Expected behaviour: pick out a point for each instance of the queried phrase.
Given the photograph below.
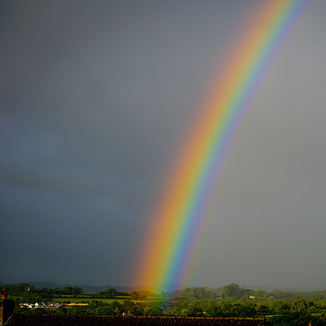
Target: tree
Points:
(116, 307)
(202, 293)
(77, 290)
(154, 312)
(195, 311)
(103, 311)
(263, 310)
(232, 290)
(134, 295)
(61, 311)
(128, 305)
(213, 308)
(69, 290)
(137, 311)
(279, 306)
(111, 293)
(301, 306)
(259, 294)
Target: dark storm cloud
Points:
(95, 99)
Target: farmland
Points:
(279, 307)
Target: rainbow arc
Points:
(174, 235)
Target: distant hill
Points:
(92, 289)
(88, 289)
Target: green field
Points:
(88, 299)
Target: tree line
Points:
(279, 307)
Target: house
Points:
(6, 307)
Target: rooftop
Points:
(83, 320)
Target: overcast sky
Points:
(95, 98)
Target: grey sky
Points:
(95, 97)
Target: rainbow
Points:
(179, 214)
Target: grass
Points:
(89, 299)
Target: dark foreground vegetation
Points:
(278, 307)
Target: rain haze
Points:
(96, 97)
